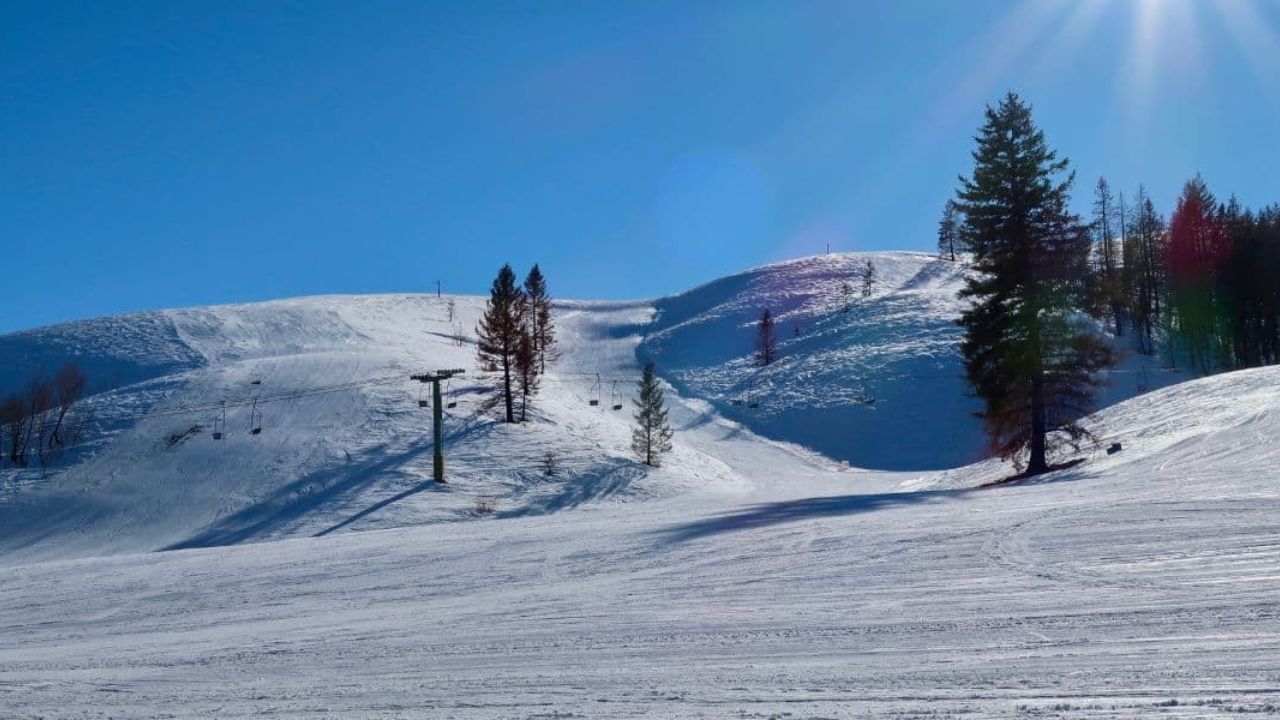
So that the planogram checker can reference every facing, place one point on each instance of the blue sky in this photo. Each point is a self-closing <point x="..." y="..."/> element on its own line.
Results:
<point x="170" y="154"/>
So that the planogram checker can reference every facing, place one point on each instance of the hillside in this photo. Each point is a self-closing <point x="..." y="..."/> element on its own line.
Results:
<point x="344" y="445"/>
<point x="875" y="381"/>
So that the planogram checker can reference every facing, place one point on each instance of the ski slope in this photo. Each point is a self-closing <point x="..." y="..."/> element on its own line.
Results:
<point x="321" y="574"/>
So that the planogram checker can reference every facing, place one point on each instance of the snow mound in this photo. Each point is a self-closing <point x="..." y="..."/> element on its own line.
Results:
<point x="1185" y="435"/>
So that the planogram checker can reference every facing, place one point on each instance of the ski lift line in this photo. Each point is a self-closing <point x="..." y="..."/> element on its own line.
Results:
<point x="467" y="422"/>
<point x="261" y="400"/>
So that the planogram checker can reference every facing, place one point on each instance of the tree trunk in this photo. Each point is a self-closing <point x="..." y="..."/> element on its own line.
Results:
<point x="1037" y="464"/>
<point x="506" y="390"/>
<point x="56" y="437"/>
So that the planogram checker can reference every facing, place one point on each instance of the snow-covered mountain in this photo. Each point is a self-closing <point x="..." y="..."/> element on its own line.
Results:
<point x="322" y="573"/>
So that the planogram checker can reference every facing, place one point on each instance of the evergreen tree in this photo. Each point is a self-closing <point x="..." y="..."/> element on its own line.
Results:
<point x="868" y="275"/>
<point x="1026" y="355"/>
<point x="498" y="334"/>
<point x="651" y="437"/>
<point x="949" y="230"/>
<point x="526" y="366"/>
<point x="541" y="327"/>
<point x="766" y="338"/>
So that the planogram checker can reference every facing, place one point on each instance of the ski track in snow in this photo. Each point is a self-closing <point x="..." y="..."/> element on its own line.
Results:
<point x="325" y="576"/>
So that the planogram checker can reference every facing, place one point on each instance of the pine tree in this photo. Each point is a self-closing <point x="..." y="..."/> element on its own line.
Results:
<point x="949" y="230"/>
<point x="651" y="437"/>
<point x="868" y="275"/>
<point x="1026" y="355"/>
<point x="499" y="331"/>
<point x="766" y="338"/>
<point x="540" y="323"/>
<point x="526" y="366"/>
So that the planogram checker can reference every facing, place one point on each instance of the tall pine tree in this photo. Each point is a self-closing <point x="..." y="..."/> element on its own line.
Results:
<point x="1026" y="354"/>
<point x="526" y="367"/>
<point x="949" y="230"/>
<point x="541" y="328"/>
<point x="499" y="331"/>
<point x="651" y="437"/>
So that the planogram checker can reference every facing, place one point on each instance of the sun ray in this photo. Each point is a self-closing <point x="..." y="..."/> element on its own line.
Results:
<point x="1072" y="36"/>
<point x="1258" y="38"/>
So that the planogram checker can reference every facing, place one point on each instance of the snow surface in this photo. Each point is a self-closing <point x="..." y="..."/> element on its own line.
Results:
<point x="323" y="575"/>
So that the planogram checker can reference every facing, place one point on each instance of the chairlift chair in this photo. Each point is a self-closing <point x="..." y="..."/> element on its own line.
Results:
<point x="451" y="394"/>
<point x="595" y="389"/>
<point x="255" y="419"/>
<point x="220" y="422"/>
<point x="422" y="396"/>
<point x="616" y="397"/>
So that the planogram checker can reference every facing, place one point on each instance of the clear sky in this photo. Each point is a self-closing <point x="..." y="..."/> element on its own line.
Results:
<point x="169" y="154"/>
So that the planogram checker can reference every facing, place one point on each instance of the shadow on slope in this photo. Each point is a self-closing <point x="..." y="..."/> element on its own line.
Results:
<point x="294" y="501"/>
<point x="112" y="351"/>
<point x="595" y="483"/>
<point x="778" y="513"/>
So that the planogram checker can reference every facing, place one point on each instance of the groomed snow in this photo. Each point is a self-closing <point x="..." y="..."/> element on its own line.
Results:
<point x="747" y="578"/>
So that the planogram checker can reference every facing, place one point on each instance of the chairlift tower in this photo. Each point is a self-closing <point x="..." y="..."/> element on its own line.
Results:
<point x="437" y="415"/>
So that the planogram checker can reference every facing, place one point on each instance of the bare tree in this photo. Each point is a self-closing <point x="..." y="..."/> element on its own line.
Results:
<point x="40" y="403"/>
<point x="68" y="387"/>
<point x="13" y="416"/>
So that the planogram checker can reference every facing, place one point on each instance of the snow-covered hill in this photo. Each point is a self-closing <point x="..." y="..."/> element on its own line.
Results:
<point x="344" y="444"/>
<point x="873" y="381"/>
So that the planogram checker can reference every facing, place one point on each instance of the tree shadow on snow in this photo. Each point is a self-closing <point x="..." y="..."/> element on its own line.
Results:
<point x="599" y="482"/>
<point x="778" y="513"/>
<point x="297" y="499"/>
<point x="327" y="486"/>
